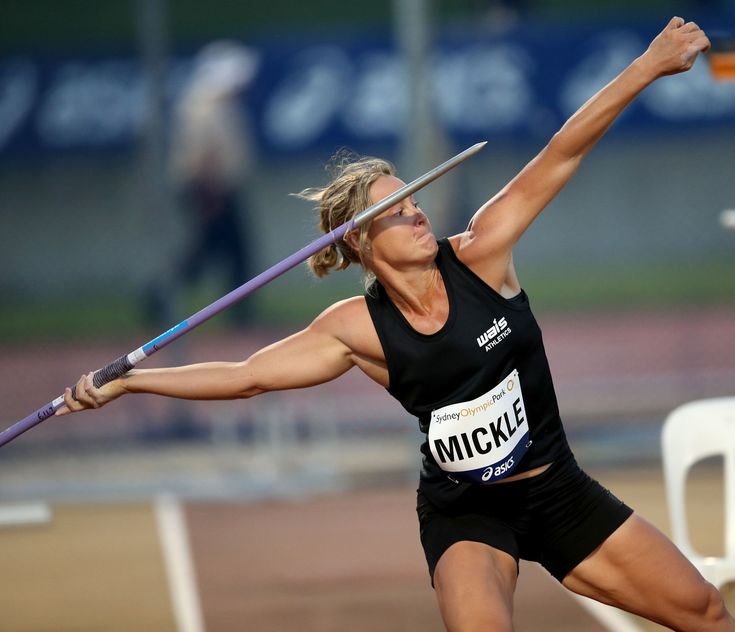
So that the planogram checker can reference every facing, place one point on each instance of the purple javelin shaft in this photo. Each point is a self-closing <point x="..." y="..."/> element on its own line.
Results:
<point x="125" y="363"/>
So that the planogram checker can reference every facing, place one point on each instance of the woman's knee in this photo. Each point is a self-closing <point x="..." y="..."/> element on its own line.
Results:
<point x="711" y="607"/>
<point x="703" y="610"/>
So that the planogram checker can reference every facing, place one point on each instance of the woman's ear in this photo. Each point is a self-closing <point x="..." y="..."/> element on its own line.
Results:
<point x="352" y="239"/>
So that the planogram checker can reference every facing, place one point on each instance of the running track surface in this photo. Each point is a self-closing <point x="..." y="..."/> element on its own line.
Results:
<point x="322" y="564"/>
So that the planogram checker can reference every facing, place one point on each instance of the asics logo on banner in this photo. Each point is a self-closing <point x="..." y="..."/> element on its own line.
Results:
<point x="495" y="334"/>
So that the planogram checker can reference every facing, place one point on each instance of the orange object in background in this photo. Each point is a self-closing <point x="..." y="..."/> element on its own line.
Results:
<point x="722" y="65"/>
<point x="721" y="57"/>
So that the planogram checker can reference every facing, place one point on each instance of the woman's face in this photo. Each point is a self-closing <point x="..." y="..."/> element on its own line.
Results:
<point x="402" y="234"/>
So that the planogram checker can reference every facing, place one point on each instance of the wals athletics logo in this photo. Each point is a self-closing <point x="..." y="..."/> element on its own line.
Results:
<point x="493" y="336"/>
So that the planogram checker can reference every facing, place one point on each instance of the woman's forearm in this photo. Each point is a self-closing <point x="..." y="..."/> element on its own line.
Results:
<point x="674" y="50"/>
<point x="586" y="126"/>
<point x="209" y="380"/>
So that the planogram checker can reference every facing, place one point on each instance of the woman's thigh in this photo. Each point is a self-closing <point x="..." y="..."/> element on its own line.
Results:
<point x="640" y="570"/>
<point x="474" y="587"/>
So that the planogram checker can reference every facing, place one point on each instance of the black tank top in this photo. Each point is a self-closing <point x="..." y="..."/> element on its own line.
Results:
<point x="480" y="386"/>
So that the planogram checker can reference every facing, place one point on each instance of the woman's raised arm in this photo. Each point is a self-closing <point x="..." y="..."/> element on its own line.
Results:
<point x="498" y="225"/>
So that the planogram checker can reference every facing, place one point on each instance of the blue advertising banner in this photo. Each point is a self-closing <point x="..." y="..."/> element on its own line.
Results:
<point x="320" y="94"/>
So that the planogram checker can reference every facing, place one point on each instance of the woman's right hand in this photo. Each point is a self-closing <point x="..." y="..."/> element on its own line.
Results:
<point x="676" y="48"/>
<point x="88" y="396"/>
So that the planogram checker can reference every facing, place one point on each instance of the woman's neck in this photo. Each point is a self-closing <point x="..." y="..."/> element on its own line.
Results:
<point x="419" y="293"/>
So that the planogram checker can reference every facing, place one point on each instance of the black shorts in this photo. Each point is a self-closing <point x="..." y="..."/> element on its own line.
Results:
<point x="556" y="518"/>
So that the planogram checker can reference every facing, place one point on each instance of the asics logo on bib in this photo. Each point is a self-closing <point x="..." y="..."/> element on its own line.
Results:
<point x="495" y="334"/>
<point x="497" y="471"/>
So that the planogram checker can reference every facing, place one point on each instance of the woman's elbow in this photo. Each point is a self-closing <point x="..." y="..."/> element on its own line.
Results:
<point x="249" y="391"/>
<point x="242" y="383"/>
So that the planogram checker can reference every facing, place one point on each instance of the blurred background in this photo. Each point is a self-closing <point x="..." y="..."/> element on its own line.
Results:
<point x="148" y="150"/>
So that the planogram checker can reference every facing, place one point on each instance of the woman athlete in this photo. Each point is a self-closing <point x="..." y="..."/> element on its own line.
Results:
<point x="447" y="329"/>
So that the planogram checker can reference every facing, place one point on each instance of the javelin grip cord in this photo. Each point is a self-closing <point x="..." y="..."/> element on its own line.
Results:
<point x="125" y="363"/>
<point x="112" y="371"/>
<point x="106" y="374"/>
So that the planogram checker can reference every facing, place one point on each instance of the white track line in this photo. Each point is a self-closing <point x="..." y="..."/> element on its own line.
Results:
<point x="174" y="539"/>
<point x="18" y="515"/>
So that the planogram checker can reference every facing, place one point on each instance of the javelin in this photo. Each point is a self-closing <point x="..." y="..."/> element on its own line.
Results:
<point x="124" y="363"/>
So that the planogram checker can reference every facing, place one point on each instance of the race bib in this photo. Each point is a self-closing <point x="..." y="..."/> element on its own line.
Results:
<point x="482" y="440"/>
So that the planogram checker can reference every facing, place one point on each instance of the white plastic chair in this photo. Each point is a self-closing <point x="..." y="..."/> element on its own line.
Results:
<point x="692" y="432"/>
<point x="611" y="618"/>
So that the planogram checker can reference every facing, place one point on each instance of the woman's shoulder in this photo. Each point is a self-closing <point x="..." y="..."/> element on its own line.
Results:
<point x="349" y="321"/>
<point x="346" y="314"/>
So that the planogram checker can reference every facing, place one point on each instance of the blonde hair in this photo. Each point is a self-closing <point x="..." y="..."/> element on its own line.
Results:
<point x="341" y="200"/>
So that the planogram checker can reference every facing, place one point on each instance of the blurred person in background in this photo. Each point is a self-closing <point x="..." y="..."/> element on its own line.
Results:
<point x="446" y="327"/>
<point x="210" y="162"/>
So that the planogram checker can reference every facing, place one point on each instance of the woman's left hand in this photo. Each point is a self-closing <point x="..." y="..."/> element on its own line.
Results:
<point x="88" y="396"/>
<point x="676" y="48"/>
